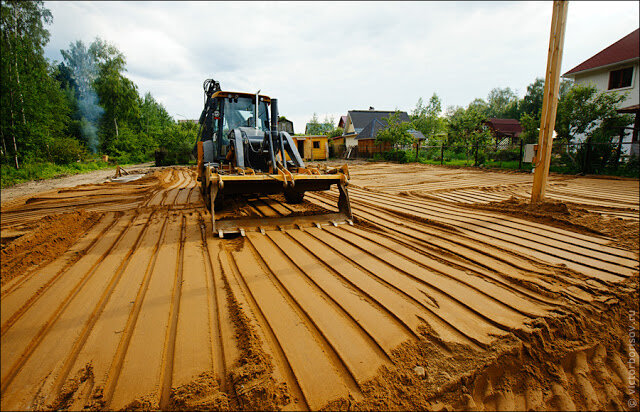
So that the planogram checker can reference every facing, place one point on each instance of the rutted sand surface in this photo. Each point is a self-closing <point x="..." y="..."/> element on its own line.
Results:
<point x="39" y="186"/>
<point x="423" y="303"/>
<point x="615" y="197"/>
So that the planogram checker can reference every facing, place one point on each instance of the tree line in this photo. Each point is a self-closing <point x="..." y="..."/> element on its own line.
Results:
<point x="582" y="112"/>
<point x="76" y="109"/>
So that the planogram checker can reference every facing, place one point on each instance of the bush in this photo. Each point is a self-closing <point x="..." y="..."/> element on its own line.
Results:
<point x="506" y="155"/>
<point x="632" y="167"/>
<point x="480" y="159"/>
<point x="180" y="154"/>
<point x="65" y="150"/>
<point x="400" y="156"/>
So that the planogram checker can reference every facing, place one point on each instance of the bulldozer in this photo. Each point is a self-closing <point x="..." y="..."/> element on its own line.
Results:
<point x="241" y="152"/>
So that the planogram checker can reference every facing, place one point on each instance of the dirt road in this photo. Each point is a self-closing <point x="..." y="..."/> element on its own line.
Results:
<point x="39" y="186"/>
<point x="117" y="295"/>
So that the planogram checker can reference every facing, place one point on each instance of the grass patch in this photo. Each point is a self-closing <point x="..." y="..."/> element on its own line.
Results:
<point x="10" y="176"/>
<point x="506" y="164"/>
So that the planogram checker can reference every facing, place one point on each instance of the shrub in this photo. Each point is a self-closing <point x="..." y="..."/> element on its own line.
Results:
<point x="65" y="150"/>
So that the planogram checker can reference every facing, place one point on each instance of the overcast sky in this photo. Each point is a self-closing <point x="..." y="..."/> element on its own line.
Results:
<point x="332" y="57"/>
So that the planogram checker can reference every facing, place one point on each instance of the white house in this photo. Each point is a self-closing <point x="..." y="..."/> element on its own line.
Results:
<point x="615" y="69"/>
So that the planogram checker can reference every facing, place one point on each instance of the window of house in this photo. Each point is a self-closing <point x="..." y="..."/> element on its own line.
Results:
<point x="620" y="78"/>
<point x="316" y="145"/>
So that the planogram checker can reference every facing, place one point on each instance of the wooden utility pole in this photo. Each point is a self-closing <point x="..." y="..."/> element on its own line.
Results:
<point x="550" y="100"/>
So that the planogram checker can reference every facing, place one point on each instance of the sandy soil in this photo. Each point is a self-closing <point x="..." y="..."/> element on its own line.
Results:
<point x="615" y="197"/>
<point x="38" y="186"/>
<point x="423" y="303"/>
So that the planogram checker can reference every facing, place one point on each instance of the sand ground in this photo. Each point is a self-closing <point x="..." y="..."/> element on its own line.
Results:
<point x="449" y="292"/>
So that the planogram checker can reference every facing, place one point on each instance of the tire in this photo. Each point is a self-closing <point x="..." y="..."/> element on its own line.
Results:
<point x="293" y="196"/>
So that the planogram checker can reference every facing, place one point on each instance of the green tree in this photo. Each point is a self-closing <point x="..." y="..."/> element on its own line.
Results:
<point x="33" y="110"/>
<point x="530" y="128"/>
<point x="338" y="131"/>
<point x="465" y="126"/>
<point x="118" y="96"/>
<point x="479" y="106"/>
<point x="154" y="118"/>
<point x="532" y="101"/>
<point x="315" y="127"/>
<point x="178" y="141"/>
<point x="585" y="112"/>
<point x="396" y="132"/>
<point x="426" y="118"/>
<point x="503" y="104"/>
<point x="78" y="72"/>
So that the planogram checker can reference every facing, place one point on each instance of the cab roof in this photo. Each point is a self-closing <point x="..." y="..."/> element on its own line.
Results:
<point x="225" y="94"/>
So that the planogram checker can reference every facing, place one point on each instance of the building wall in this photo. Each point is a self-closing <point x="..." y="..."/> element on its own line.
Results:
<point x="311" y="153"/>
<point x="600" y="79"/>
<point x="349" y="126"/>
<point x="370" y="146"/>
<point x="320" y="153"/>
<point x="350" y="141"/>
<point x="286" y="126"/>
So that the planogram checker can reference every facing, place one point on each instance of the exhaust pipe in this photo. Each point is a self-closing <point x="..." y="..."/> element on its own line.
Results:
<point x="257" y="110"/>
<point x="273" y="132"/>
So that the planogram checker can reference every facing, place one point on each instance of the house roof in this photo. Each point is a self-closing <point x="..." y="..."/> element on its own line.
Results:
<point x="371" y="130"/>
<point x="417" y="134"/>
<point x="626" y="48"/>
<point x="630" y="109"/>
<point x="343" y="121"/>
<point x="361" y="118"/>
<point x="505" y="126"/>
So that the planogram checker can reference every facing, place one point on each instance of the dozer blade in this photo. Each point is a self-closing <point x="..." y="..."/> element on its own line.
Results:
<point x="284" y="182"/>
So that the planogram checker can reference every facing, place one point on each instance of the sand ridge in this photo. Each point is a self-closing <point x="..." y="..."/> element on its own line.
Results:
<point x="423" y="303"/>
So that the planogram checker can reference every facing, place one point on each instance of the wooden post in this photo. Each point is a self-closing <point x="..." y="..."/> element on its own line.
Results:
<point x="521" y="153"/>
<point x="550" y="100"/>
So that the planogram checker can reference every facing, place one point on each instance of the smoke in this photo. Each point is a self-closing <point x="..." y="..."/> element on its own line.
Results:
<point x="84" y="70"/>
<point x="91" y="113"/>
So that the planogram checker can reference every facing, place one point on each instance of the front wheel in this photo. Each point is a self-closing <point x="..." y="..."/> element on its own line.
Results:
<point x="293" y="196"/>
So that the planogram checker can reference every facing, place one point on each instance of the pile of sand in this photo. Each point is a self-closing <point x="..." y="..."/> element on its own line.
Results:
<point x="51" y="236"/>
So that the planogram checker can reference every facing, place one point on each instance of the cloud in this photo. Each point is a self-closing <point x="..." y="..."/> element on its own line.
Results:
<point x="330" y="57"/>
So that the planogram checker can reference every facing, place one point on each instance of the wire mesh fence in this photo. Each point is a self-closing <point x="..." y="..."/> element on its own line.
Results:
<point x="614" y="158"/>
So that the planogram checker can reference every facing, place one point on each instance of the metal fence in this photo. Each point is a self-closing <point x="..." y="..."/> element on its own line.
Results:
<point x="613" y="158"/>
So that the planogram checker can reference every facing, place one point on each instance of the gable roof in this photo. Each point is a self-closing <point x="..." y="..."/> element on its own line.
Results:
<point x="417" y="134"/>
<point x="371" y="130"/>
<point x="505" y="126"/>
<point x="342" y="122"/>
<point x="626" y="48"/>
<point x="361" y="118"/>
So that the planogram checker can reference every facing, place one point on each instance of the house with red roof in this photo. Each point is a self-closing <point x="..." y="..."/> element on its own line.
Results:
<point x="615" y="69"/>
<point x="502" y="129"/>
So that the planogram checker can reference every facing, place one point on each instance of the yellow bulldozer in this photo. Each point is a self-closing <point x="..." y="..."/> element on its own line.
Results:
<point x="241" y="152"/>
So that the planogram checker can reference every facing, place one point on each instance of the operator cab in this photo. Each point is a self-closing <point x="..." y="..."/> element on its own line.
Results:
<point x="226" y="111"/>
